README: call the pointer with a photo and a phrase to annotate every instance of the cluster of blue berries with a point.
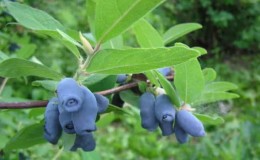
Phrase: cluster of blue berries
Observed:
(73, 111)
(159, 111)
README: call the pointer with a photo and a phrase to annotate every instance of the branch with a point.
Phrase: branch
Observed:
(39, 104)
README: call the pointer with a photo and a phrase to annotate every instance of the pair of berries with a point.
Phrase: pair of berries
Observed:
(160, 112)
(73, 111)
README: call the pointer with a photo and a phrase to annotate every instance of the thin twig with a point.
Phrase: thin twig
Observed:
(39, 104)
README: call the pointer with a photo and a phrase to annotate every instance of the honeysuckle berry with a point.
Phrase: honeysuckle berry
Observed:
(190, 124)
(147, 111)
(52, 127)
(165, 114)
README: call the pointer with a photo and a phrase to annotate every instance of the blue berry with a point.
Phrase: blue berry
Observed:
(70, 94)
(180, 134)
(165, 71)
(190, 124)
(84, 119)
(52, 127)
(86, 142)
(102, 103)
(121, 78)
(66, 122)
(165, 114)
(147, 112)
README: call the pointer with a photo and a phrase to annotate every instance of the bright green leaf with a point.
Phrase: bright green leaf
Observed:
(211, 120)
(69, 39)
(27, 137)
(146, 35)
(209, 74)
(189, 80)
(152, 78)
(47, 84)
(113, 17)
(32, 18)
(220, 87)
(170, 91)
(201, 50)
(209, 97)
(114, 43)
(179, 30)
(113, 61)
(15, 67)
(90, 9)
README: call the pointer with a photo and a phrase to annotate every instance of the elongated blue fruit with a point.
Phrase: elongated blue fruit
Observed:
(86, 142)
(147, 112)
(165, 71)
(66, 122)
(84, 119)
(190, 124)
(180, 134)
(165, 114)
(52, 128)
(102, 103)
(70, 94)
(121, 78)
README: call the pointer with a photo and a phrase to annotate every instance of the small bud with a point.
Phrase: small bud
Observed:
(86, 45)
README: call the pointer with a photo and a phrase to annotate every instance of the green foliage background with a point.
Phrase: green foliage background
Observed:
(230, 34)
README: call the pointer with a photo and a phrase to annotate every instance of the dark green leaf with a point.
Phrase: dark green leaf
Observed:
(129, 97)
(94, 78)
(27, 137)
(15, 67)
(114, 17)
(209, 97)
(113, 61)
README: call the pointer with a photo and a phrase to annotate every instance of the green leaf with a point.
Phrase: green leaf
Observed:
(137, 60)
(113, 17)
(211, 120)
(106, 120)
(93, 155)
(3, 56)
(220, 87)
(209, 97)
(27, 137)
(146, 35)
(170, 91)
(209, 74)
(26, 51)
(68, 44)
(69, 39)
(201, 50)
(68, 140)
(47, 84)
(116, 42)
(179, 30)
(152, 78)
(90, 9)
(32, 18)
(129, 97)
(94, 79)
(107, 82)
(117, 110)
(189, 80)
(15, 67)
